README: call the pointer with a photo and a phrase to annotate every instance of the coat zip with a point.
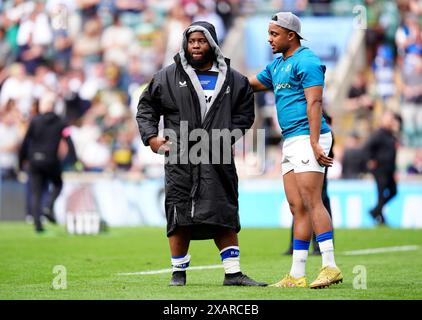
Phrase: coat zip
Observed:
(195, 96)
(193, 208)
(196, 100)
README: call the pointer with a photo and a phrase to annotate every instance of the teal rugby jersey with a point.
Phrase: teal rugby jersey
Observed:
(288, 79)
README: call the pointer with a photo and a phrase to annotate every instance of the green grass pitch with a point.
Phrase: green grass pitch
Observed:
(93, 262)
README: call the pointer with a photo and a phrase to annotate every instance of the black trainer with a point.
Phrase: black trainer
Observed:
(379, 218)
(49, 214)
(178, 278)
(315, 253)
(240, 279)
(289, 252)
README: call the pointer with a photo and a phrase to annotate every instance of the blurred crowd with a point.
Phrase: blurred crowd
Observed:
(98, 56)
(391, 81)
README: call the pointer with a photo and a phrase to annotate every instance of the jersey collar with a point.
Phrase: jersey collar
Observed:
(295, 53)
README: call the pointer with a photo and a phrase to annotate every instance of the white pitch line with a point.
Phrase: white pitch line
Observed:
(380, 250)
(214, 266)
(346, 253)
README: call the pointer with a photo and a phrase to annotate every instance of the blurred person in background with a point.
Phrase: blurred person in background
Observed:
(407, 35)
(34, 36)
(380, 152)
(18, 87)
(6, 52)
(150, 45)
(115, 42)
(88, 9)
(10, 141)
(40, 148)
(122, 150)
(411, 94)
(416, 166)
(87, 46)
(415, 6)
(96, 155)
(175, 24)
(361, 104)
(384, 72)
(227, 9)
(374, 33)
(207, 12)
(129, 10)
(298, 7)
(320, 8)
(353, 162)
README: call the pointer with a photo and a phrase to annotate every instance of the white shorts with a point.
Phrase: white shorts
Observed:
(299, 156)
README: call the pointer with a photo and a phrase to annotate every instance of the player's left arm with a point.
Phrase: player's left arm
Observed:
(70, 147)
(314, 112)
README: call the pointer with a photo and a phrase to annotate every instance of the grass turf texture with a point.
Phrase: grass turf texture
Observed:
(92, 264)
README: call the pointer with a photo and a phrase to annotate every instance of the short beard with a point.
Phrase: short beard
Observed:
(208, 57)
(283, 50)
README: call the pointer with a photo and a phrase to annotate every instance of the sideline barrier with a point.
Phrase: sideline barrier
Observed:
(262, 202)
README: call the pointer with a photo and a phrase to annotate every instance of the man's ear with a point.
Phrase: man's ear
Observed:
(291, 36)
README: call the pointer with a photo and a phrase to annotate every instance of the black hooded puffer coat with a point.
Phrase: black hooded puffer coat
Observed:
(202, 196)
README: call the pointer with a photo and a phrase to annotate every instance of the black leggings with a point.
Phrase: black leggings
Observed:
(387, 189)
(42, 175)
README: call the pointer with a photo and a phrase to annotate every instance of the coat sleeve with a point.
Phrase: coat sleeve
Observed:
(243, 111)
(149, 111)
(71, 155)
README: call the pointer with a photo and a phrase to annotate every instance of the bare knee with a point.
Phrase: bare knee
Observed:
(310, 200)
(297, 208)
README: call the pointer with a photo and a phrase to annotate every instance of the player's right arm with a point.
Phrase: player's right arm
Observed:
(263, 80)
(256, 84)
(148, 117)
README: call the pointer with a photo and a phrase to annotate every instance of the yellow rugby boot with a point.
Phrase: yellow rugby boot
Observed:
(291, 282)
(327, 276)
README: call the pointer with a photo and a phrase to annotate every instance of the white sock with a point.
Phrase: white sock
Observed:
(180, 263)
(327, 252)
(231, 259)
(299, 263)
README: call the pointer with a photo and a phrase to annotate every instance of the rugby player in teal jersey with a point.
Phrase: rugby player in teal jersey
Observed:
(297, 79)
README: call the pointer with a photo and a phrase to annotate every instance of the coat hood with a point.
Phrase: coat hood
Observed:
(207, 26)
(209, 32)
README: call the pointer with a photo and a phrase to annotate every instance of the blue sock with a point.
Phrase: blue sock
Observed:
(324, 236)
(301, 244)
(300, 255)
(325, 241)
